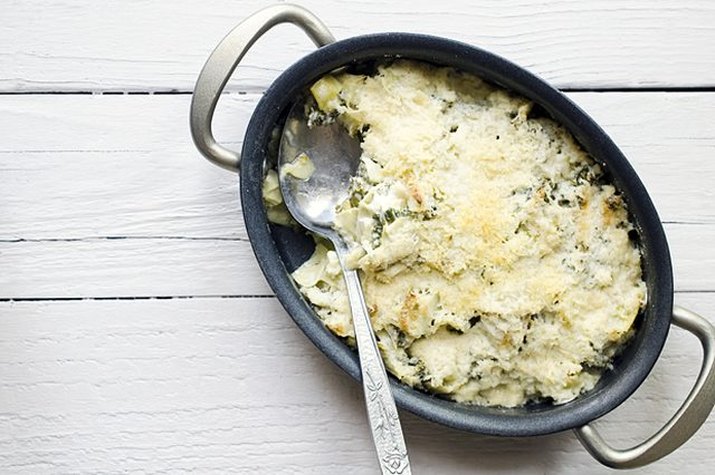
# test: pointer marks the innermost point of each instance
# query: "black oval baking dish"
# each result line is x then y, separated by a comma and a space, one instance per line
279, 250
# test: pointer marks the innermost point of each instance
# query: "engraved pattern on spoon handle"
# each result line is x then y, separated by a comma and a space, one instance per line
381, 409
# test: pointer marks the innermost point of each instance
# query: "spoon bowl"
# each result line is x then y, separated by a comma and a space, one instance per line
334, 156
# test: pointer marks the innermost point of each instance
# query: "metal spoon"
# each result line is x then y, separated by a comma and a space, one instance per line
312, 201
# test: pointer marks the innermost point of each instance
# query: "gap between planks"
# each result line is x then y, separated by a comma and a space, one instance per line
137, 297
565, 90
191, 297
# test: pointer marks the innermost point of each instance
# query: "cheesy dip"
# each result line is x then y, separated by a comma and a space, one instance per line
495, 258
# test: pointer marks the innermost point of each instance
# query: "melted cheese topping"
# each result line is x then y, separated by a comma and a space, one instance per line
496, 264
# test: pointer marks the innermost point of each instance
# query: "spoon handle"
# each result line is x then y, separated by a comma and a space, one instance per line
381, 409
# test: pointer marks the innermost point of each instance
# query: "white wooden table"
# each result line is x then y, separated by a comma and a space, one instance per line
136, 331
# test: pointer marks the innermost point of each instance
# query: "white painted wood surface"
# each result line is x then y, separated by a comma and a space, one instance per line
180, 385
171, 354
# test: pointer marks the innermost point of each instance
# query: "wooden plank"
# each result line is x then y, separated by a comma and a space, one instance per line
133, 155
70, 45
88, 166
232, 386
186, 267
129, 268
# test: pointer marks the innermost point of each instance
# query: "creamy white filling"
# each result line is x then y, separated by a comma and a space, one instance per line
497, 266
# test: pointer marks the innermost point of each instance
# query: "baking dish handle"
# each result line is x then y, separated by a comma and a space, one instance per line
686, 421
223, 62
